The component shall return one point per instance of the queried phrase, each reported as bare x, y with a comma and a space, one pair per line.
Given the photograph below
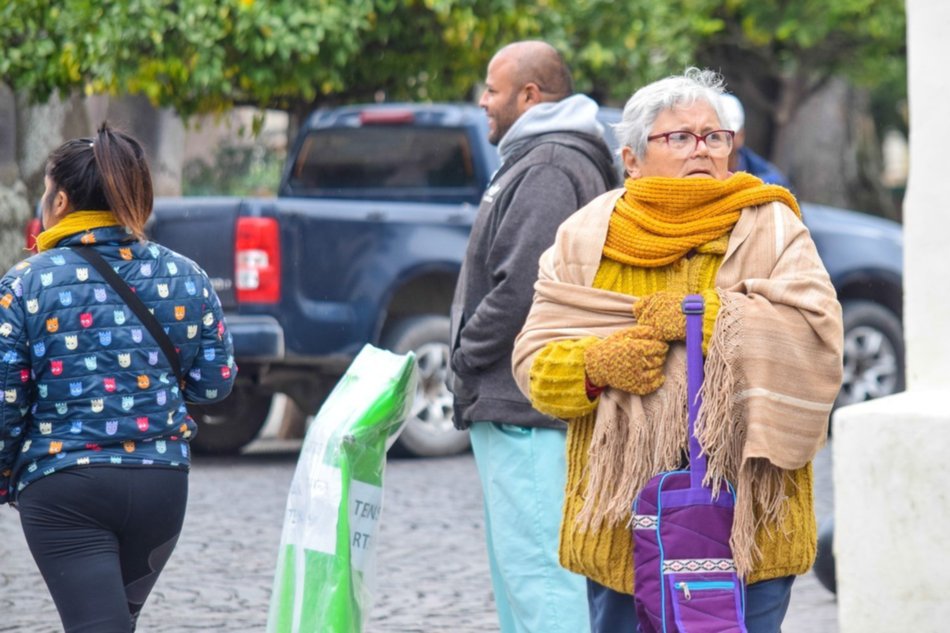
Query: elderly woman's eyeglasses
719, 142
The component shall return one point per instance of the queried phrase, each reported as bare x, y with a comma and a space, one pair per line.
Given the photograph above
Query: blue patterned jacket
83, 381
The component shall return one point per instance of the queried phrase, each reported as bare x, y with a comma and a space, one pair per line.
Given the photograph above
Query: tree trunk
14, 214
14, 205
162, 134
29, 132
39, 130
9, 172
830, 151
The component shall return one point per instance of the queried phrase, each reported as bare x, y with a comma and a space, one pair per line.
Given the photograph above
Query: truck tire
429, 432
293, 422
225, 427
873, 353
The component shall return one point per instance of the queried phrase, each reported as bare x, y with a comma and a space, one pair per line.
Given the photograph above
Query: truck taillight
33, 228
257, 260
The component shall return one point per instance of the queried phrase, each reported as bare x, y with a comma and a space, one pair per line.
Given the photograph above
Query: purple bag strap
693, 309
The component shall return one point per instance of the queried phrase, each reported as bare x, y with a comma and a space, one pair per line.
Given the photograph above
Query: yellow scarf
659, 220
75, 222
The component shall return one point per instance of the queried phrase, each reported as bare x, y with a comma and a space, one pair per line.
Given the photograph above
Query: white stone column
892, 456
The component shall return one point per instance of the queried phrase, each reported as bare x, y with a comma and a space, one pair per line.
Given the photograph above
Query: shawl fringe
636, 438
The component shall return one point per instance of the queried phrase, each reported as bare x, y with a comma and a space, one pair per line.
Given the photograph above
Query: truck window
384, 156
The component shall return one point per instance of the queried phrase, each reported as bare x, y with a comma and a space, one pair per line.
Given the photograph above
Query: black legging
100, 536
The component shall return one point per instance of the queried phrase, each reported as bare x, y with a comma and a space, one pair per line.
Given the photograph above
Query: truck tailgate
201, 228
345, 257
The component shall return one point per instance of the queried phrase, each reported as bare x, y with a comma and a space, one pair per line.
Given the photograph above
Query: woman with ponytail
94, 430
602, 348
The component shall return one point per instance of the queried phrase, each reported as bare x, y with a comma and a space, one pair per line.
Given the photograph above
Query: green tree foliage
762, 46
193, 55
779, 56
202, 56
433, 49
205, 56
616, 47
781, 52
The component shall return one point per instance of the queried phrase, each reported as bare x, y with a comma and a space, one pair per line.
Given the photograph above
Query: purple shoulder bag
684, 573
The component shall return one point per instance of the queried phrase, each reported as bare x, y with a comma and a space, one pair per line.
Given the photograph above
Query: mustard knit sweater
557, 388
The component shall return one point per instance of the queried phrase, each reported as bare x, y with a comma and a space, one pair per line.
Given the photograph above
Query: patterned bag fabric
684, 573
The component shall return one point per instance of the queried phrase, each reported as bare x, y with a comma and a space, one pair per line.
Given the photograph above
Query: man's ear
531, 93
631, 164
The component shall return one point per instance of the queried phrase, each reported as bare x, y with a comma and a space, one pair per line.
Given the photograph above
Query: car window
384, 156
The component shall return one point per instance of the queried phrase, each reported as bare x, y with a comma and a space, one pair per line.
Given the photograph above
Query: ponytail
108, 172
125, 177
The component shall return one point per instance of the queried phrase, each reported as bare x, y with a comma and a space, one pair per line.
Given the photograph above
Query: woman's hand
662, 311
630, 360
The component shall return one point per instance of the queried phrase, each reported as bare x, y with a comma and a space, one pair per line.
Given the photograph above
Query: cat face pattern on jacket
89, 384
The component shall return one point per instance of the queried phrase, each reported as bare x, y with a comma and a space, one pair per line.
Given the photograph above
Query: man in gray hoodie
554, 161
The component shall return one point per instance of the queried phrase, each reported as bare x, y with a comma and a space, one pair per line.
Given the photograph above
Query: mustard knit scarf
659, 220
75, 222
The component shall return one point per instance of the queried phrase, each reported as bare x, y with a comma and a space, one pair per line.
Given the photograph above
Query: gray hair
645, 105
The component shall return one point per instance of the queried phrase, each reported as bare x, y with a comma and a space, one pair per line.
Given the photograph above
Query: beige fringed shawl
772, 371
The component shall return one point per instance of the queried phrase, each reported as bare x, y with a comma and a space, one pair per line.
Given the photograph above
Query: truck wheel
873, 353
225, 427
293, 424
429, 432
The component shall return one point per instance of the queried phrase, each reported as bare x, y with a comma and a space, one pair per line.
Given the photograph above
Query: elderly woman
601, 348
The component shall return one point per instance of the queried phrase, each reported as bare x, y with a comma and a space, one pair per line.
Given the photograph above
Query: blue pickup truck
363, 245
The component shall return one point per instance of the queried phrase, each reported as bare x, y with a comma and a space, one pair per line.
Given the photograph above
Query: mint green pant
522, 471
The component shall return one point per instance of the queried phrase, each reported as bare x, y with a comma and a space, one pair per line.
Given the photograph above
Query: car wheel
873, 353
225, 427
429, 431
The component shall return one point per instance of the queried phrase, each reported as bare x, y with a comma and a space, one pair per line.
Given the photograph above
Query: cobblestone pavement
432, 569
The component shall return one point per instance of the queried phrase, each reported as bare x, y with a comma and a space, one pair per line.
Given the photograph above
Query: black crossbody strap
135, 304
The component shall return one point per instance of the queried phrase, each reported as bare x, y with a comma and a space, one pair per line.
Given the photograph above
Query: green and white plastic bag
326, 574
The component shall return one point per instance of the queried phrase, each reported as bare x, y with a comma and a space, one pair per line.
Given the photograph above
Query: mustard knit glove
630, 360
662, 311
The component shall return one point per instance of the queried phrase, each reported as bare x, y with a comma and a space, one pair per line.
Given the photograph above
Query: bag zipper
702, 585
